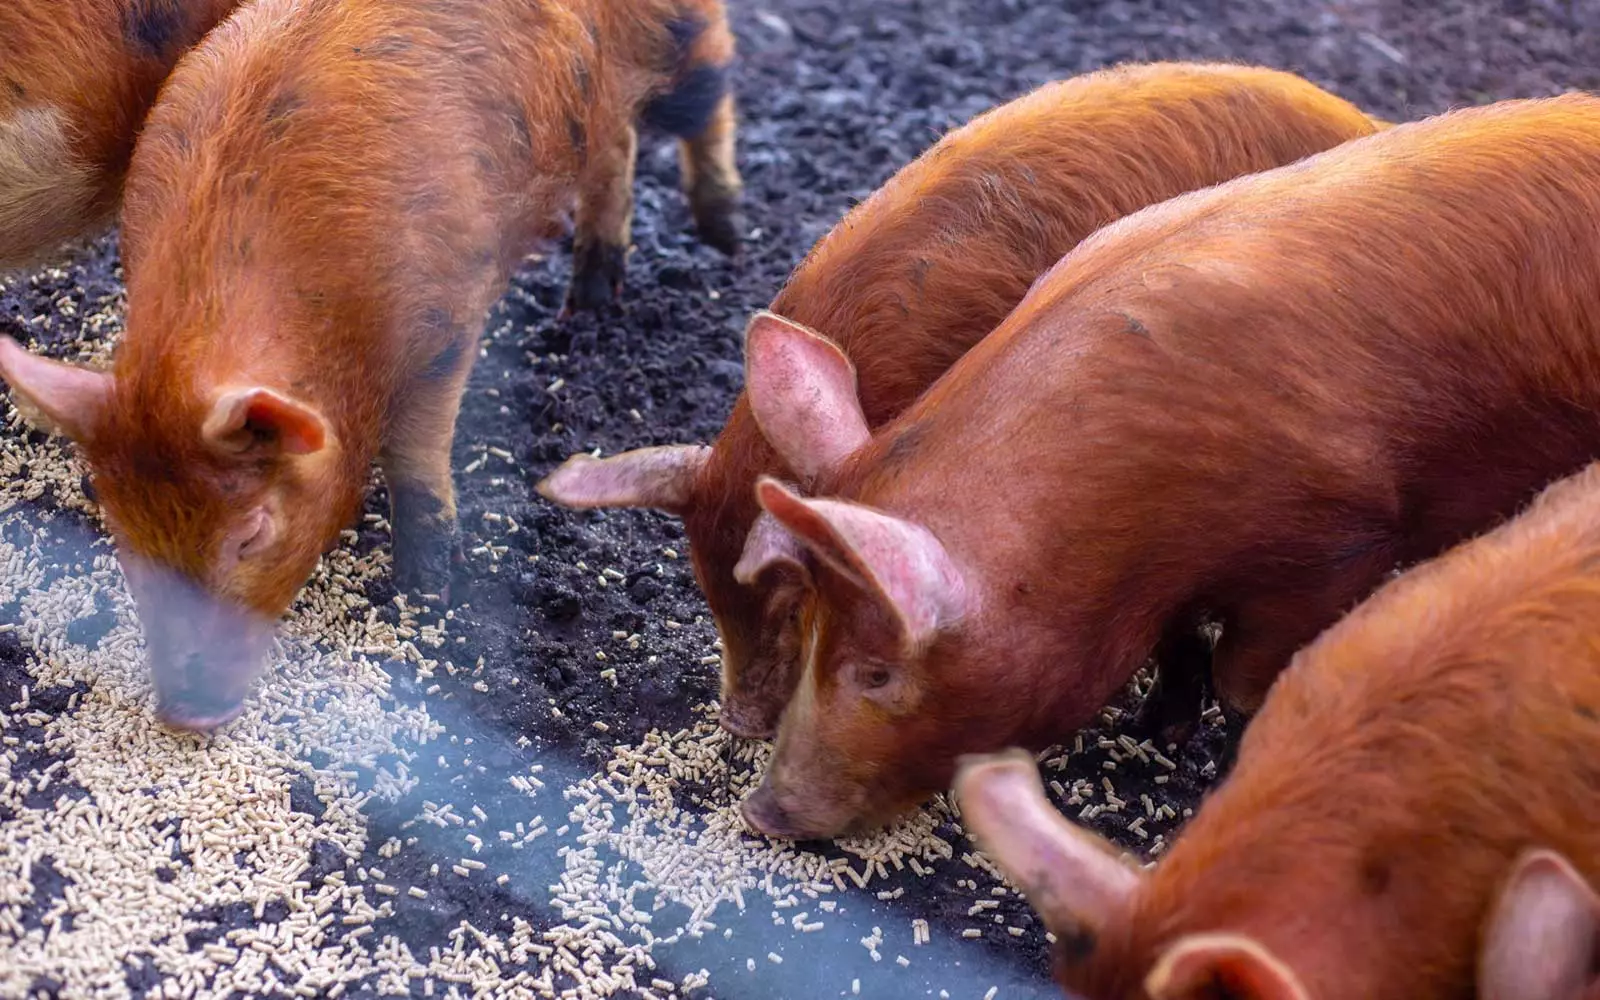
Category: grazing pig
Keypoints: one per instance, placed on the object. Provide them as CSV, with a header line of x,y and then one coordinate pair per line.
x,y
76,78
933,261
1247,405
1423,777
325,202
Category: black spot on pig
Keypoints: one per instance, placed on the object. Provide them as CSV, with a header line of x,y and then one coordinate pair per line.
x,y
580,76
281,109
578,137
155,27
686,109
446,363
17,90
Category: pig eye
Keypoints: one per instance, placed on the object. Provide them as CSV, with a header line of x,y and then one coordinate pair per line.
x,y
874,676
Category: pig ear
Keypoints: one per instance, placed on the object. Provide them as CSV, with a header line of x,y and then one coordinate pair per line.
x,y
663,478
243,419
770,547
898,562
1070,876
1231,965
56,397
802,391
1543,939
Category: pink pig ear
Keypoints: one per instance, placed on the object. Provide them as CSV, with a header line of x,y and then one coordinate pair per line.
x,y
1232,965
1072,878
802,391
662,478
57,397
900,563
1542,941
770,547
243,419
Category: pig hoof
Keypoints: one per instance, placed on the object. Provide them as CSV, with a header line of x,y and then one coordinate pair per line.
x,y
597,271
721,223
424,572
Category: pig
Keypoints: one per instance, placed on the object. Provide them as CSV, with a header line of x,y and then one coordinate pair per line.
x,y
1413,811
325,202
935,259
75,83
1245,405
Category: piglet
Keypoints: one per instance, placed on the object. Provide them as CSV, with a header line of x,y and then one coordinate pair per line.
x,y
76,80
1245,405
916,274
1420,785
325,202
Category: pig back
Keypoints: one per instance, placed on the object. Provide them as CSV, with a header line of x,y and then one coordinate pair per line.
x,y
1402,325
937,256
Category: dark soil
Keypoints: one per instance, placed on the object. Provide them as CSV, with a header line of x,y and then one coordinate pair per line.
x,y
835,97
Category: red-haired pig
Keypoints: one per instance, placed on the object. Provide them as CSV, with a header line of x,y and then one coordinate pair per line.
x,y
326,200
76,78
1421,787
933,261
1247,405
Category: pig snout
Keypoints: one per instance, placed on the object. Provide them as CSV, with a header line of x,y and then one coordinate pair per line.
x,y
781,813
765,813
204,651
752,703
746,721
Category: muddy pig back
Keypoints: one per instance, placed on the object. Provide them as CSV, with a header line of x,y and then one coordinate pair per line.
x,y
1300,358
930,263
1418,782
76,82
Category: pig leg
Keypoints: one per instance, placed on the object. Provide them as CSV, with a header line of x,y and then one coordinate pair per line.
x,y
1172,707
711,179
416,465
1262,634
604,226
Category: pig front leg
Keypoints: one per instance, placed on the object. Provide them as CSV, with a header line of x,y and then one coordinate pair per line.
x,y
711,179
416,465
1171,709
1263,633
604,226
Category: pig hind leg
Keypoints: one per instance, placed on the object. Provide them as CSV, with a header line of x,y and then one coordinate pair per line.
x,y
416,466
699,110
604,226
711,179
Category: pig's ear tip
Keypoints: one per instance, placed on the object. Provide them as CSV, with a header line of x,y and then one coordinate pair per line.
x,y
770,490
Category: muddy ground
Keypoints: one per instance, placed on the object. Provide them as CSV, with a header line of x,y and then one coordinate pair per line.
x,y
835,96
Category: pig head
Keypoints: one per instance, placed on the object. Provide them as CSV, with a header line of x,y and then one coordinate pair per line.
x,y
1539,942
221,500
888,685
755,603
